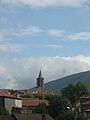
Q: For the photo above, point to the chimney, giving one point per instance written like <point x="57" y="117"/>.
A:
<point x="43" y="117"/>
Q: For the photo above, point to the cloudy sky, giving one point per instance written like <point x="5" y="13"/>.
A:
<point x="51" y="35"/>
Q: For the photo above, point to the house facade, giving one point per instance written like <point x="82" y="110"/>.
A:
<point x="9" y="101"/>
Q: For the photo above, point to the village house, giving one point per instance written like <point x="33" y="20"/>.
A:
<point x="8" y="101"/>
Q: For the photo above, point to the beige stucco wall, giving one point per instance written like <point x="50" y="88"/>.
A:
<point x="18" y="103"/>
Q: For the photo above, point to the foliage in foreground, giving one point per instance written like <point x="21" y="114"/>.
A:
<point x="3" y="111"/>
<point x="41" y="108"/>
<point x="58" y="105"/>
<point x="74" y="92"/>
<point x="69" y="115"/>
<point x="81" y="117"/>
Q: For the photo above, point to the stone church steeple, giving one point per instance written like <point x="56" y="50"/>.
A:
<point x="40" y="81"/>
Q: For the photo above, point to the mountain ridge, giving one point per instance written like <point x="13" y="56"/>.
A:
<point x="58" y="84"/>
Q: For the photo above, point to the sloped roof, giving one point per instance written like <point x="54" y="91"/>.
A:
<point x="32" y="102"/>
<point x="3" y="94"/>
<point x="28" y="116"/>
<point x="2" y="117"/>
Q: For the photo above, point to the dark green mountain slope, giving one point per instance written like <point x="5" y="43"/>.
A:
<point x="58" y="84"/>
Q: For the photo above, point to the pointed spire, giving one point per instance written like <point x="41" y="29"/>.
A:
<point x="40" y="74"/>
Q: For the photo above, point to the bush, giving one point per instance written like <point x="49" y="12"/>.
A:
<point x="3" y="111"/>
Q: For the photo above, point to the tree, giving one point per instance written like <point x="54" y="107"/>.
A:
<point x="3" y="111"/>
<point x="58" y="105"/>
<point x="81" y="117"/>
<point x="81" y="89"/>
<point x="74" y="92"/>
<point x="49" y="96"/>
<point x="41" y="108"/>
<point x="69" y="115"/>
<point x="69" y="92"/>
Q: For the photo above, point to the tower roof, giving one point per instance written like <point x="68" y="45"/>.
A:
<point x="40" y="74"/>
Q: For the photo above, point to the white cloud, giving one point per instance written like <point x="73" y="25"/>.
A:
<point x="20" y="32"/>
<point x="12" y="47"/>
<point x="4" y="48"/>
<point x="79" y="36"/>
<point x="29" y="31"/>
<point x="55" y="33"/>
<point x="32" y="30"/>
<point x="54" y="46"/>
<point x="6" y="79"/>
<point x="17" y="48"/>
<point x="22" y="73"/>
<point x="45" y="3"/>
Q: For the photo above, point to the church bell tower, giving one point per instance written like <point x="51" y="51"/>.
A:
<point x="40" y="81"/>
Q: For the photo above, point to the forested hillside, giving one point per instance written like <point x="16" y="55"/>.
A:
<point x="57" y="85"/>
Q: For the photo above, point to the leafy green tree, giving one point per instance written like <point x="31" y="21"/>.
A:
<point x="81" y="89"/>
<point x="41" y="108"/>
<point x="49" y="96"/>
<point x="74" y="92"/>
<point x="3" y="111"/>
<point x="81" y="117"/>
<point x="69" y="115"/>
<point x="58" y="105"/>
<point x="69" y="92"/>
<point x="39" y="95"/>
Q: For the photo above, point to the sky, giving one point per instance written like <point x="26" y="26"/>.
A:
<point x="48" y="35"/>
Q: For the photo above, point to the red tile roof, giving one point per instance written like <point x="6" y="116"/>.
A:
<point x="2" y="94"/>
<point x="32" y="102"/>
